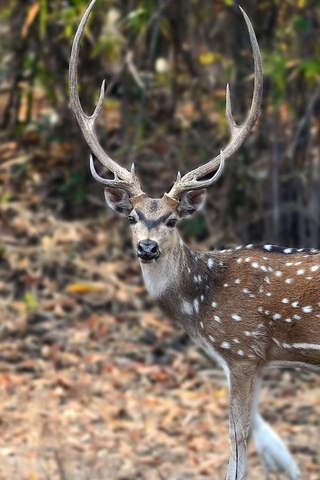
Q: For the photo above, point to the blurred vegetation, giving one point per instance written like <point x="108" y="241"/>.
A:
<point x="168" y="62"/>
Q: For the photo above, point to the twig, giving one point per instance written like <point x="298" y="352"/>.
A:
<point x="133" y="70"/>
<point x="303" y="122"/>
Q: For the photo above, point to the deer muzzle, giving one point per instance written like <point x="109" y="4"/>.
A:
<point x="148" y="250"/>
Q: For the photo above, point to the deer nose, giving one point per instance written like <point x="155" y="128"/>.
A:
<point x="148" y="250"/>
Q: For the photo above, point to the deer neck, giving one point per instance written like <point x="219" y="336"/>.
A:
<point x="180" y="281"/>
<point x="164" y="274"/>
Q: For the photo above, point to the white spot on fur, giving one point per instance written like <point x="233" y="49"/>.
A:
<point x="268" y="247"/>
<point x="307" y="309"/>
<point x="296" y="317"/>
<point x="186" y="307"/>
<point x="287" y="250"/>
<point x="225" y="345"/>
<point x="214" y="305"/>
<point x="300" y="271"/>
<point x="255" y="264"/>
<point x="236" y="317"/>
<point x="196" y="305"/>
<point x="217" y="318"/>
<point x="314" y="268"/>
<point x="210" y="263"/>
<point x="276" y="316"/>
<point x="303" y="346"/>
<point x="237" y="281"/>
<point x="240" y="352"/>
<point x="295" y="304"/>
<point x="278" y="273"/>
<point x="289" y="280"/>
<point x="285" y="300"/>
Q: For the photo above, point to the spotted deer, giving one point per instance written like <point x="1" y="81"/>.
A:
<point x="248" y="307"/>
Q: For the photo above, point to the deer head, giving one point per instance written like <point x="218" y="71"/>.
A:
<point x="153" y="221"/>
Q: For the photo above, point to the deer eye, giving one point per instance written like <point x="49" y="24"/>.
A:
<point x="171" y="223"/>
<point x="132" y="219"/>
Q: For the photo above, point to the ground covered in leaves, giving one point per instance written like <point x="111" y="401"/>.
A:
<point x="94" y="382"/>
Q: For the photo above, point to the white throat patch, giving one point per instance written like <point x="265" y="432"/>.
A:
<point x="159" y="275"/>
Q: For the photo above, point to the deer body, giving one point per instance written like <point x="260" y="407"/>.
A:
<point x="248" y="308"/>
<point x="248" y="303"/>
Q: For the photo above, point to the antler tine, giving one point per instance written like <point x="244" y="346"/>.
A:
<point x="192" y="180"/>
<point x="122" y="177"/>
<point x="232" y="124"/>
<point x="99" y="106"/>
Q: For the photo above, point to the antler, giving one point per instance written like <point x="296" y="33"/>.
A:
<point x="122" y="177"/>
<point x="192" y="180"/>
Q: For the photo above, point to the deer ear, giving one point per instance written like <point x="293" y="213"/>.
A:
<point x="118" y="200"/>
<point x="191" y="201"/>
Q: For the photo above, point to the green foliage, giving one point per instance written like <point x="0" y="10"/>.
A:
<point x="300" y="23"/>
<point x="310" y="67"/>
<point x="137" y="19"/>
<point x="43" y="18"/>
<point x="275" y="65"/>
<point x="2" y="250"/>
<point x="30" y="301"/>
<point x="74" y="187"/>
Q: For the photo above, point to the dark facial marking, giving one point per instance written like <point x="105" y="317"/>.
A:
<point x="153" y="205"/>
<point x="152" y="223"/>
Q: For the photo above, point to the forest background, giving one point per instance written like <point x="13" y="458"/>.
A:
<point x="81" y="342"/>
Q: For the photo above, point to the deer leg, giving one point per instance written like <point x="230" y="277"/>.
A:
<point x="274" y="454"/>
<point x="241" y="390"/>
